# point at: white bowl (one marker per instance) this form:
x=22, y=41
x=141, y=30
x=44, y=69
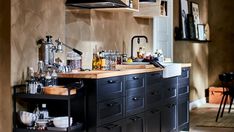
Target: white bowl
x=62, y=122
x=27, y=118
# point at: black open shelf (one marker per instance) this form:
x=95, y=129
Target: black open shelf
x=75, y=128
x=44, y=96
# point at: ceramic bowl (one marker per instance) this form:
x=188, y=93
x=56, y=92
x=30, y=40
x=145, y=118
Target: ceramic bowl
x=62, y=122
x=27, y=118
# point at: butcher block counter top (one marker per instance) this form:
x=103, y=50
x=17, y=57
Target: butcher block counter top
x=121, y=70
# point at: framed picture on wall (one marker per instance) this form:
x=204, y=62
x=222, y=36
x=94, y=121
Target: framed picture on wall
x=184, y=19
x=201, y=31
x=191, y=26
x=196, y=16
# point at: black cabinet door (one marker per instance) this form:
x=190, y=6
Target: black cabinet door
x=183, y=112
x=153, y=89
x=152, y=120
x=110, y=111
x=112, y=127
x=135, y=123
x=169, y=116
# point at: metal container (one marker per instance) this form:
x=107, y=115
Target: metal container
x=47, y=51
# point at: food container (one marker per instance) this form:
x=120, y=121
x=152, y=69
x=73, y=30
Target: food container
x=58, y=90
x=74, y=60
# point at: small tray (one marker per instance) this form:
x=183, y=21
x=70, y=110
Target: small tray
x=58, y=90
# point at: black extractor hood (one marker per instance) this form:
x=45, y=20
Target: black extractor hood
x=147, y=0
x=96, y=3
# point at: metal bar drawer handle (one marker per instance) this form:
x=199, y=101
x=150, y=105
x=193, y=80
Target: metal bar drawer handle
x=136, y=98
x=111, y=104
x=111, y=126
x=135, y=78
x=135, y=118
x=170, y=105
x=111, y=81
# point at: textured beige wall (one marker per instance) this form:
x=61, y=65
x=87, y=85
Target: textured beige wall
x=5, y=58
x=222, y=35
x=194, y=53
x=105, y=31
x=32, y=20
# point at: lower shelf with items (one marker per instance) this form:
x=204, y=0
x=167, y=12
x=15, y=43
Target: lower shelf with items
x=57, y=105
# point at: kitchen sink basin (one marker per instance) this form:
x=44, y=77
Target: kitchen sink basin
x=171, y=69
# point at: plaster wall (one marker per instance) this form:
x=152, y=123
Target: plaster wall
x=30, y=21
x=5, y=57
x=96, y=30
x=221, y=48
x=194, y=53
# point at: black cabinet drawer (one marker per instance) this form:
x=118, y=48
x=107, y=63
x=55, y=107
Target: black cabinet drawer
x=135, y=123
x=184, y=77
x=153, y=77
x=135, y=103
x=117, y=126
x=169, y=87
x=110, y=110
x=110, y=88
x=153, y=97
x=134, y=81
x=183, y=89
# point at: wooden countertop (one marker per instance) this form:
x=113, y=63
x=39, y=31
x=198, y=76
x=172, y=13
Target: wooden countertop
x=124, y=70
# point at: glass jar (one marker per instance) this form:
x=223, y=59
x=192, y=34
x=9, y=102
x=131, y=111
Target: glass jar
x=74, y=60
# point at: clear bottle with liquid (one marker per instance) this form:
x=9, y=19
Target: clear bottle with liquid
x=54, y=77
x=30, y=81
x=44, y=114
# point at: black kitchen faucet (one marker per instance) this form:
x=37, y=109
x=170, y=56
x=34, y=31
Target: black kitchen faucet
x=138, y=41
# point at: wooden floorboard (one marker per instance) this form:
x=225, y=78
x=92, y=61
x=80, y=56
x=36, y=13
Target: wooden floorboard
x=196, y=118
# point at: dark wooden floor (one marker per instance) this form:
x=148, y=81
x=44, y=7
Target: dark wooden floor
x=198, y=118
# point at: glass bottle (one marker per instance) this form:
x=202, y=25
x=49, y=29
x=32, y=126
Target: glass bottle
x=47, y=79
x=54, y=77
x=103, y=60
x=30, y=81
x=44, y=114
x=37, y=112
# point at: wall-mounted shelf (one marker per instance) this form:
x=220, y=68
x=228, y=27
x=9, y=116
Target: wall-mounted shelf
x=152, y=9
x=194, y=40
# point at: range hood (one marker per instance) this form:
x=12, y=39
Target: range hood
x=147, y=0
x=96, y=3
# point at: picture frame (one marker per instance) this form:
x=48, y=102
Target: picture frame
x=184, y=19
x=192, y=32
x=196, y=16
x=201, y=31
